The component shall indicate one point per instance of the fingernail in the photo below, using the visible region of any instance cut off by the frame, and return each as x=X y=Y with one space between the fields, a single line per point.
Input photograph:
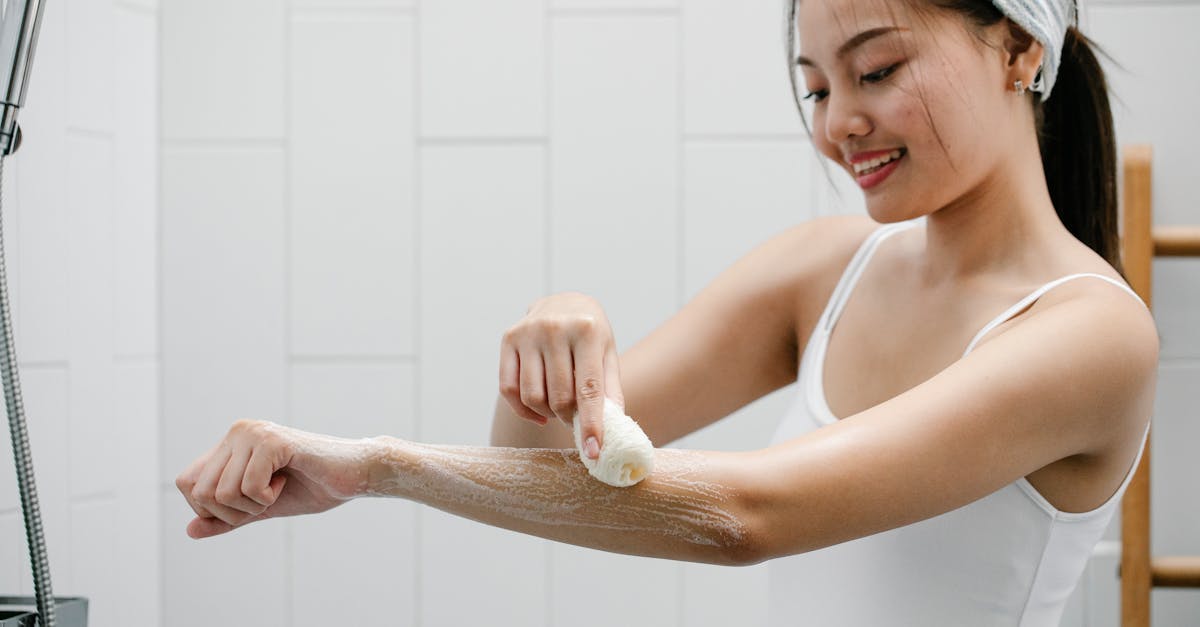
x=593 y=447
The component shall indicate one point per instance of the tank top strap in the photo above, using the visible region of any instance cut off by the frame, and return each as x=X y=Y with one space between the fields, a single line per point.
x=1136 y=460
x=1036 y=294
x=858 y=263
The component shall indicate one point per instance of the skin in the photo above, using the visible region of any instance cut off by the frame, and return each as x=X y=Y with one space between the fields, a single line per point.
x=1053 y=395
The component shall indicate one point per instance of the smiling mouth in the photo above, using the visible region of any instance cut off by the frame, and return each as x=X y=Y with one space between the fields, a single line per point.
x=867 y=167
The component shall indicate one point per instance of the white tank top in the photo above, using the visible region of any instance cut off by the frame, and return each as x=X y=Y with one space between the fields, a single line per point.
x=1009 y=558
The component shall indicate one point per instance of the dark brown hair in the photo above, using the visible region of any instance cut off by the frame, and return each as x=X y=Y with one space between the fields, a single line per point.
x=1074 y=129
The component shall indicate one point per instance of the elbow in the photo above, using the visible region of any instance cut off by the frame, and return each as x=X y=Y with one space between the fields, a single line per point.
x=761 y=532
x=751 y=543
x=746 y=551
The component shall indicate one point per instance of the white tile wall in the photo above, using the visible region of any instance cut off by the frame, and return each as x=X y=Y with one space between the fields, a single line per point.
x=91 y=98
x=735 y=73
x=136 y=540
x=223 y=303
x=135 y=186
x=483 y=262
x=614 y=6
x=90 y=324
x=355 y=565
x=93 y=557
x=10 y=552
x=223 y=69
x=246 y=572
x=580 y=578
x=737 y=195
x=351 y=180
x=473 y=574
x=480 y=79
x=359 y=196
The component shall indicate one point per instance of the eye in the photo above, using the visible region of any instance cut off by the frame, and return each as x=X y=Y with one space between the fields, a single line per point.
x=874 y=77
x=879 y=75
x=817 y=96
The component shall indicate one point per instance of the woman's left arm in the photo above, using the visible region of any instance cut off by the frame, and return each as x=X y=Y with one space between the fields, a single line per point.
x=1069 y=379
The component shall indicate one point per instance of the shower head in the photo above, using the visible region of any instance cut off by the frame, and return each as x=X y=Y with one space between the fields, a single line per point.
x=20 y=21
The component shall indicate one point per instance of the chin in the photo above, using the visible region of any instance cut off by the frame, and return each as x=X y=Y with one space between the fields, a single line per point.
x=885 y=212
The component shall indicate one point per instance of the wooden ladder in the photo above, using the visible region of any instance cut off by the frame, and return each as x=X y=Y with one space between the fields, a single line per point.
x=1140 y=243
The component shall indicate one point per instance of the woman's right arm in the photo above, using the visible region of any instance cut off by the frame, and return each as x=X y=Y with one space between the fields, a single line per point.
x=735 y=342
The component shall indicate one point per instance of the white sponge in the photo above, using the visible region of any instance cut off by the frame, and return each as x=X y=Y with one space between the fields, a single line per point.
x=626 y=457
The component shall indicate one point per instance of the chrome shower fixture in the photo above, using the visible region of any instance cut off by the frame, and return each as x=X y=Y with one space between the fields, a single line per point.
x=20 y=21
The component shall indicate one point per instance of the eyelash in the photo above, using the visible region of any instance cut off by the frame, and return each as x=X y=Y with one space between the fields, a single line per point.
x=874 y=77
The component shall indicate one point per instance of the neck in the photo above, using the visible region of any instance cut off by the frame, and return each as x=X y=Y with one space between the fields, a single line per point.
x=1000 y=225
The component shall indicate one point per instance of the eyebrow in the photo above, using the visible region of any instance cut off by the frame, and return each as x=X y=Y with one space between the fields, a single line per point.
x=855 y=42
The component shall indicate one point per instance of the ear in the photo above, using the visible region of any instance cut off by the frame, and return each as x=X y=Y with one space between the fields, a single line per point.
x=1023 y=54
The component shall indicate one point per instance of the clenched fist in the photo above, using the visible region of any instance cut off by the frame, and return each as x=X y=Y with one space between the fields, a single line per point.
x=262 y=470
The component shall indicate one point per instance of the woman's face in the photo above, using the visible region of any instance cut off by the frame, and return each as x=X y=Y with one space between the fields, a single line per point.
x=880 y=80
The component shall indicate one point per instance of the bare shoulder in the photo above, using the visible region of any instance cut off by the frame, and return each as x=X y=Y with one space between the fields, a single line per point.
x=1119 y=318
x=1099 y=324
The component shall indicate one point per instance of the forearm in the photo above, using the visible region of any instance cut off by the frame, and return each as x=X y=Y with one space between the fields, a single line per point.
x=689 y=509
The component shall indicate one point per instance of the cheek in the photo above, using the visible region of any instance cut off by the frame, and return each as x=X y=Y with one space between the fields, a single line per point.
x=830 y=151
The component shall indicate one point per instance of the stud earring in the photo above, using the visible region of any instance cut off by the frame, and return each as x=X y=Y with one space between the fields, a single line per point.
x=1019 y=87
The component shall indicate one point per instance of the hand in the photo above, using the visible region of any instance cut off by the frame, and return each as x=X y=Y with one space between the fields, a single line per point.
x=560 y=359
x=264 y=470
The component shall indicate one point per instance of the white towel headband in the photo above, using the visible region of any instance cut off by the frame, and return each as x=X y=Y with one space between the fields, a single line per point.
x=1047 y=22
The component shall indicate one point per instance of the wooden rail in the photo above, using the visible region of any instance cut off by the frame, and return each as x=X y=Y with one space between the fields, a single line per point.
x=1140 y=243
x=1177 y=241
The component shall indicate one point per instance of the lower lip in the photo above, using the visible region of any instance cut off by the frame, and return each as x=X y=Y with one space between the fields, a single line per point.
x=868 y=181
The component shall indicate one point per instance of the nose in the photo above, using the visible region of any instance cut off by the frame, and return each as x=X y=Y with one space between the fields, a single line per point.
x=844 y=118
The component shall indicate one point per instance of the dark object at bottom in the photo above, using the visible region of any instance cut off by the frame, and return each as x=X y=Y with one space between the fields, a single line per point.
x=22 y=612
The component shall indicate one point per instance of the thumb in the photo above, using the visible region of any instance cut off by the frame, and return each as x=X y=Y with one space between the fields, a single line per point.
x=276 y=487
x=207 y=527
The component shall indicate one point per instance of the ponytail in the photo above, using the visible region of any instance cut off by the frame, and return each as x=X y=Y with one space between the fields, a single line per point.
x=1078 y=146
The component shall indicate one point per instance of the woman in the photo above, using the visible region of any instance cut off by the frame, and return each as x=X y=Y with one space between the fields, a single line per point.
x=957 y=446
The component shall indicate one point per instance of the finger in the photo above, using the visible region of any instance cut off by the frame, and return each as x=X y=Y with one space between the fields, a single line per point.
x=589 y=395
x=207 y=527
x=208 y=474
x=510 y=384
x=533 y=382
x=612 y=377
x=560 y=384
x=276 y=486
x=204 y=527
x=205 y=490
x=186 y=481
x=229 y=487
x=256 y=484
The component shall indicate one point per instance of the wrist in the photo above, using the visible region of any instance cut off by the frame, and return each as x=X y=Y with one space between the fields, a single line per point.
x=385 y=455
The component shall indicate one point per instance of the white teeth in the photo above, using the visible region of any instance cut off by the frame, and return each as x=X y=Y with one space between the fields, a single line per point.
x=859 y=168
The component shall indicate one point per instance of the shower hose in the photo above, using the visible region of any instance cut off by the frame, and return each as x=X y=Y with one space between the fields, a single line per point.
x=20 y=443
